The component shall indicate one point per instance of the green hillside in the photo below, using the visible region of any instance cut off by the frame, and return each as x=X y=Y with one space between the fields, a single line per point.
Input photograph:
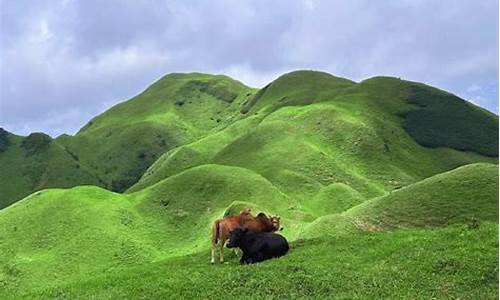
x=88 y=229
x=372 y=126
x=454 y=262
x=470 y=192
x=467 y=195
x=386 y=189
x=59 y=237
x=345 y=133
x=124 y=141
x=116 y=147
x=34 y=162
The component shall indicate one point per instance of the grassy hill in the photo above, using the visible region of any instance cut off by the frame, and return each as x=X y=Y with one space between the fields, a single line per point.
x=467 y=195
x=183 y=120
x=35 y=162
x=124 y=141
x=116 y=147
x=376 y=202
x=469 y=192
x=59 y=239
x=339 y=133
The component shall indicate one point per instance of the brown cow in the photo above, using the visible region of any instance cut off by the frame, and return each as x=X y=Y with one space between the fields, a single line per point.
x=221 y=228
x=262 y=223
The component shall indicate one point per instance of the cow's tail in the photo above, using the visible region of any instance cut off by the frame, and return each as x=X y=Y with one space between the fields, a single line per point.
x=216 y=232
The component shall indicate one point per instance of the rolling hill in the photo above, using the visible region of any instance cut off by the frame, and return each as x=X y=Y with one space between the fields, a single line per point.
x=35 y=162
x=352 y=134
x=115 y=148
x=384 y=176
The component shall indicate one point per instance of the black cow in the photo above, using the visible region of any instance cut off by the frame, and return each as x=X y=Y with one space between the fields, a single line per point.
x=257 y=247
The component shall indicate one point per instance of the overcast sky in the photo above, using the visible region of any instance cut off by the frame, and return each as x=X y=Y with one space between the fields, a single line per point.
x=63 y=62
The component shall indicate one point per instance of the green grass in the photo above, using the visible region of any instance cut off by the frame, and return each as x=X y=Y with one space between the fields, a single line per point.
x=304 y=131
x=31 y=163
x=370 y=209
x=124 y=141
x=335 y=198
x=115 y=148
x=443 y=120
x=454 y=262
x=58 y=237
x=344 y=134
x=62 y=234
x=295 y=89
x=467 y=195
x=464 y=195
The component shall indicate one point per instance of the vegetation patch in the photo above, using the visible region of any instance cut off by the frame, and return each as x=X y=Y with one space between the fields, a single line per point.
x=36 y=143
x=467 y=195
x=254 y=99
x=4 y=140
x=444 y=120
x=211 y=87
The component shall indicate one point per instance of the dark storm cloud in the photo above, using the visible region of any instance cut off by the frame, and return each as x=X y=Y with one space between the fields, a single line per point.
x=65 y=61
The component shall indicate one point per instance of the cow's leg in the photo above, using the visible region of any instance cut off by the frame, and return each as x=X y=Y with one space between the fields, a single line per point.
x=258 y=257
x=243 y=258
x=215 y=238
x=213 y=253
x=253 y=257
x=249 y=259
x=222 y=242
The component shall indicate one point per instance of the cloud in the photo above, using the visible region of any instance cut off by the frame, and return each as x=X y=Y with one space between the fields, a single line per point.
x=66 y=61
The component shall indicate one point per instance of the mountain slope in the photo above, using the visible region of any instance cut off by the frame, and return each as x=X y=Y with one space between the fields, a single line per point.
x=469 y=192
x=116 y=147
x=435 y=118
x=304 y=131
x=467 y=195
x=345 y=133
x=88 y=229
x=124 y=141
x=34 y=162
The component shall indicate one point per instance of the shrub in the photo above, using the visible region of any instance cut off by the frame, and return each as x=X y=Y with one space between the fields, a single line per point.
x=213 y=88
x=4 y=140
x=36 y=143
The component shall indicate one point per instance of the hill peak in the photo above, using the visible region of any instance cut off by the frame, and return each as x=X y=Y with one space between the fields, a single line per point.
x=193 y=76
x=299 y=87
x=309 y=75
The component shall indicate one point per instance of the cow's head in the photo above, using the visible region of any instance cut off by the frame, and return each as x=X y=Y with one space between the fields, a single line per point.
x=235 y=237
x=275 y=223
x=246 y=211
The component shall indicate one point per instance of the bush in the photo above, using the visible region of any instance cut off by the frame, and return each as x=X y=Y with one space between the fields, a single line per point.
x=36 y=143
x=213 y=88
x=4 y=140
